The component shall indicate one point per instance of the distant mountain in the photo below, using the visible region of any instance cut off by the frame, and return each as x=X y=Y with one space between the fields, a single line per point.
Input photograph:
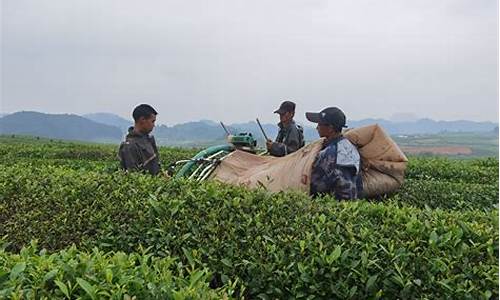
x=404 y=117
x=191 y=131
x=110 y=127
x=63 y=126
x=110 y=119
x=427 y=126
x=422 y=126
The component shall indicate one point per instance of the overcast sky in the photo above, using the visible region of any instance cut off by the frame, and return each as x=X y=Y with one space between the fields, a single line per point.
x=236 y=60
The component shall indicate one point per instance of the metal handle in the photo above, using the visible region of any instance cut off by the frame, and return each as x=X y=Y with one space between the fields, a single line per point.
x=262 y=129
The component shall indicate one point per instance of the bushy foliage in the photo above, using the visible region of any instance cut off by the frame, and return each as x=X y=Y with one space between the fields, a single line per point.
x=74 y=274
x=433 y=239
x=278 y=245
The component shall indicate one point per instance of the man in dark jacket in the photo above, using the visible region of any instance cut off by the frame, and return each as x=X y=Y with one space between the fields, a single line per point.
x=139 y=152
x=290 y=136
x=336 y=170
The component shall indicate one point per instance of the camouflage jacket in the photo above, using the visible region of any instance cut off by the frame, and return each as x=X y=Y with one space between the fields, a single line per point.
x=290 y=139
x=336 y=171
x=139 y=153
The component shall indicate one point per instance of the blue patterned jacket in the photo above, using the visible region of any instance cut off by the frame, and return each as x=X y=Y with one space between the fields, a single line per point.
x=336 y=171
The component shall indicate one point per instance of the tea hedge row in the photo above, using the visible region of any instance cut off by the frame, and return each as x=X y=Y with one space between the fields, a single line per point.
x=81 y=158
x=80 y=151
x=448 y=195
x=480 y=171
x=31 y=180
x=73 y=274
x=59 y=150
x=280 y=246
x=487 y=177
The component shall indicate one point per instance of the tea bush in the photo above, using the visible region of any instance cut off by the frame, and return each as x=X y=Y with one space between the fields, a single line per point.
x=280 y=246
x=73 y=274
x=435 y=238
x=448 y=195
x=479 y=171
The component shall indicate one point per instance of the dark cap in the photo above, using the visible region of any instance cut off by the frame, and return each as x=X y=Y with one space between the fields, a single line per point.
x=330 y=116
x=286 y=106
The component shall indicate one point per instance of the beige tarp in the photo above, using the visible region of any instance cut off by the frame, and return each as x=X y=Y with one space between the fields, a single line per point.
x=383 y=165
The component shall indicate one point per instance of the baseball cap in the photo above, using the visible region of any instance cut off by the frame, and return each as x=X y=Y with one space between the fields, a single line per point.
x=330 y=116
x=286 y=106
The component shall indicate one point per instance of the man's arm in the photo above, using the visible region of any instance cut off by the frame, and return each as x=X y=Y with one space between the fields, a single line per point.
x=289 y=145
x=323 y=175
x=278 y=149
x=292 y=141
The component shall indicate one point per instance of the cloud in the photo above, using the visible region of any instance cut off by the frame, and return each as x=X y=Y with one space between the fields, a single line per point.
x=234 y=60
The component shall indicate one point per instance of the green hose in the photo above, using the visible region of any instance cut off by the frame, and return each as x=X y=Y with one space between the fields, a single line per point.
x=202 y=154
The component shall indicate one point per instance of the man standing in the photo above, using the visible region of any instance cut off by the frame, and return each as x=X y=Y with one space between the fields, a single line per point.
x=290 y=136
x=336 y=170
x=139 y=152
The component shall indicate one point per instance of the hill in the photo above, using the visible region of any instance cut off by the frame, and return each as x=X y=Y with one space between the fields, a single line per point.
x=110 y=119
x=58 y=126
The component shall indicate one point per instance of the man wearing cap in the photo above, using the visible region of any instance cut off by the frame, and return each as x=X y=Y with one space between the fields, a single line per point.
x=290 y=136
x=336 y=170
x=139 y=152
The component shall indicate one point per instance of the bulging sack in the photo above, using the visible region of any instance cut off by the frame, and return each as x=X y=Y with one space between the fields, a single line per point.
x=382 y=161
x=291 y=172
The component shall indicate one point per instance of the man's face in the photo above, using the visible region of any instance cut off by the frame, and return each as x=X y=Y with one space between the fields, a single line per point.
x=147 y=124
x=325 y=130
x=286 y=117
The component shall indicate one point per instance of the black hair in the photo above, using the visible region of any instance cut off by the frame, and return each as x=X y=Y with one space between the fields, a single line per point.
x=143 y=110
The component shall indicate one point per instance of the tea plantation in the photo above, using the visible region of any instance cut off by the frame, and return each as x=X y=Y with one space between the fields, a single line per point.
x=73 y=226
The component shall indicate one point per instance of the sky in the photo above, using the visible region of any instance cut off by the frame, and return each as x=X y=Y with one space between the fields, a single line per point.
x=237 y=60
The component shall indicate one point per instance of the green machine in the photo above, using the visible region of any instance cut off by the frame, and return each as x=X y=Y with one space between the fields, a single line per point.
x=201 y=166
x=243 y=141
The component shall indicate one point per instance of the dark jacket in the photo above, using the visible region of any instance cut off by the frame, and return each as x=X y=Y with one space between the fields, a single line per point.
x=290 y=139
x=139 y=153
x=336 y=171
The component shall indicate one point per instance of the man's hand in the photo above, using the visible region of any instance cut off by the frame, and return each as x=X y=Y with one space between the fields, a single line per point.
x=269 y=143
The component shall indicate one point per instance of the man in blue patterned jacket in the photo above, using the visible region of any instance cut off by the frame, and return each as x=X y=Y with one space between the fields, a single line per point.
x=336 y=170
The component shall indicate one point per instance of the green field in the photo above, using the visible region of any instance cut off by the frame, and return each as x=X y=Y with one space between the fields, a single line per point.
x=482 y=144
x=72 y=225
